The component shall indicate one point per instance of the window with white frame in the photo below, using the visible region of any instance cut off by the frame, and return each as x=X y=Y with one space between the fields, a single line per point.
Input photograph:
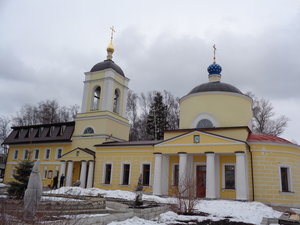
x=58 y=153
x=26 y=154
x=16 y=153
x=285 y=179
x=125 y=173
x=146 y=174
x=36 y=154
x=229 y=176
x=107 y=173
x=47 y=153
x=13 y=172
x=45 y=172
x=175 y=177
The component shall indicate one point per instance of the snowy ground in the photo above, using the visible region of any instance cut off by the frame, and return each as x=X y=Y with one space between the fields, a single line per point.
x=248 y=212
x=3 y=185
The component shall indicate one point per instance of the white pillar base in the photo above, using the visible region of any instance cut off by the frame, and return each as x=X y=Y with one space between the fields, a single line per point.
x=83 y=174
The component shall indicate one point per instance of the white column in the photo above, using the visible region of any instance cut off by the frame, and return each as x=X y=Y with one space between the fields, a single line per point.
x=165 y=174
x=85 y=98
x=182 y=170
x=108 y=92
x=90 y=175
x=70 y=174
x=241 y=176
x=157 y=185
x=125 y=96
x=83 y=174
x=62 y=170
x=210 y=175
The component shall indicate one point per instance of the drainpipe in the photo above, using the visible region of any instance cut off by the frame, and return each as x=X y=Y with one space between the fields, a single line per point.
x=252 y=177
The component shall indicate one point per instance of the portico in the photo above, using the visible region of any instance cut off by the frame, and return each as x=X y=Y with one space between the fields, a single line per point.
x=78 y=165
x=207 y=171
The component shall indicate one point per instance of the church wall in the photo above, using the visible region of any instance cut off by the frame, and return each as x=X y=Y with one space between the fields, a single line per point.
x=50 y=165
x=267 y=160
x=228 y=110
x=135 y=156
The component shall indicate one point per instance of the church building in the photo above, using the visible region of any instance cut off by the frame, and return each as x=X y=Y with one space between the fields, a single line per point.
x=214 y=149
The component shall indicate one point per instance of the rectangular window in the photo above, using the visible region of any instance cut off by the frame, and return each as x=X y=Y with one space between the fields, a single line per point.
x=16 y=153
x=58 y=153
x=229 y=177
x=26 y=154
x=50 y=174
x=126 y=172
x=107 y=178
x=36 y=154
x=146 y=174
x=45 y=172
x=284 y=173
x=175 y=175
x=47 y=153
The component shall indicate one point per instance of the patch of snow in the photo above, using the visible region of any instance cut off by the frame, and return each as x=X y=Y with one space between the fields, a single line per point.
x=296 y=210
x=49 y=198
x=3 y=185
x=136 y=221
x=3 y=196
x=248 y=212
x=84 y=216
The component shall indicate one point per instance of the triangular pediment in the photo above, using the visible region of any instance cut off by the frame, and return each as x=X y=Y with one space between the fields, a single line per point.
x=79 y=154
x=199 y=138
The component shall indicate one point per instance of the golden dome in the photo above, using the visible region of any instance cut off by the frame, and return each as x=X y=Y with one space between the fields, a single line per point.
x=110 y=48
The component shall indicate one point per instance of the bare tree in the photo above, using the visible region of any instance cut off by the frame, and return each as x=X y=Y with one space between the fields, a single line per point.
x=132 y=115
x=263 y=117
x=4 y=130
x=172 y=104
x=44 y=112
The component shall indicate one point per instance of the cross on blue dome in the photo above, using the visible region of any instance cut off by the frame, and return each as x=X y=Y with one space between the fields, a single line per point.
x=214 y=69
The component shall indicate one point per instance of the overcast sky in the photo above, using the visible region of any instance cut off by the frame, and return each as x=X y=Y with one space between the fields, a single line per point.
x=46 y=46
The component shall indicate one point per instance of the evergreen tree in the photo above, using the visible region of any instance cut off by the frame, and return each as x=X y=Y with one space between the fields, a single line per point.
x=17 y=188
x=157 y=118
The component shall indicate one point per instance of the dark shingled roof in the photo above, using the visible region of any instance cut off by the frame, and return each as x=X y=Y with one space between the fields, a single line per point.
x=215 y=86
x=56 y=132
x=106 y=64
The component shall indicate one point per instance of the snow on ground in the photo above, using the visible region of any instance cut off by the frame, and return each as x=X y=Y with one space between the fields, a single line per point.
x=127 y=195
x=136 y=221
x=48 y=198
x=248 y=212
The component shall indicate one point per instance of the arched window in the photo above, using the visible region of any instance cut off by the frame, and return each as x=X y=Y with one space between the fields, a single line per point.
x=88 y=130
x=204 y=123
x=116 y=101
x=96 y=98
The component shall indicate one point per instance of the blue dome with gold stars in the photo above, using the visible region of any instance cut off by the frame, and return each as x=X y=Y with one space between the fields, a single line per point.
x=214 y=69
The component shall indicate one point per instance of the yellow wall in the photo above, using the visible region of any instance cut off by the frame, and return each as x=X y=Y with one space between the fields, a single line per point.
x=267 y=160
x=229 y=109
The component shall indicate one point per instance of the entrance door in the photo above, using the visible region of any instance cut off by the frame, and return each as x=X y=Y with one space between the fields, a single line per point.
x=201 y=181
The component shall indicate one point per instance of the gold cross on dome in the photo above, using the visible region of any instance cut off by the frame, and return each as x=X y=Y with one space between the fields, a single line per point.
x=112 y=32
x=214 y=46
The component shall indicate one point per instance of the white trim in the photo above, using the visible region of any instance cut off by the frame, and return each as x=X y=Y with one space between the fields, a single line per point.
x=122 y=173
x=41 y=144
x=298 y=154
x=173 y=170
x=104 y=117
x=202 y=133
x=45 y=154
x=290 y=183
x=223 y=176
x=90 y=80
x=97 y=136
x=41 y=163
x=203 y=116
x=150 y=172
x=56 y=152
x=16 y=152
x=215 y=93
x=210 y=144
x=104 y=173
